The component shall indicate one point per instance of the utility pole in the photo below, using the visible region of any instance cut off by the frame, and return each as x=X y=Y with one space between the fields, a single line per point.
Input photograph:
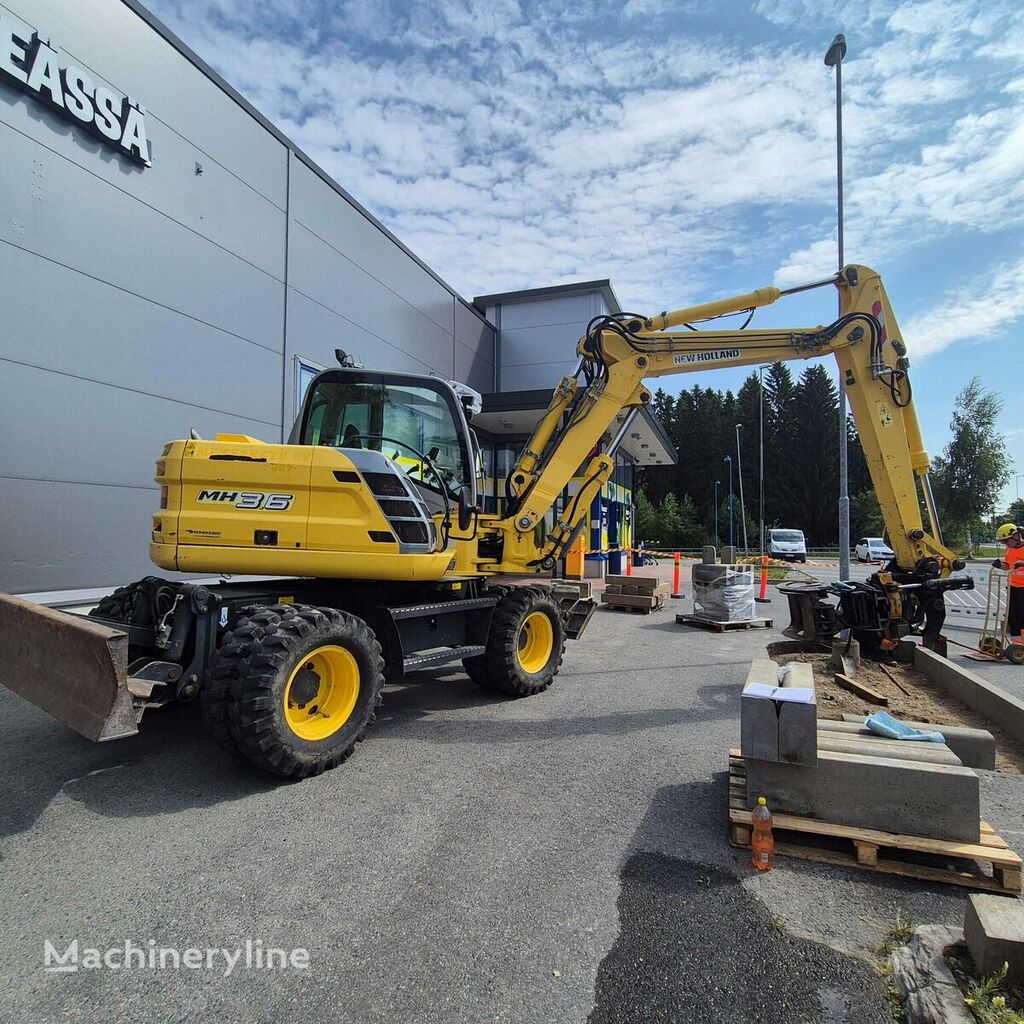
x=732 y=542
x=739 y=472
x=834 y=58
x=717 y=483
x=760 y=416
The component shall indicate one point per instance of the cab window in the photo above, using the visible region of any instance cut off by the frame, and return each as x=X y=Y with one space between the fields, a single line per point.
x=410 y=423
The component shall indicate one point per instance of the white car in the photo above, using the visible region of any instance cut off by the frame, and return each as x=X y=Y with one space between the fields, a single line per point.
x=873 y=549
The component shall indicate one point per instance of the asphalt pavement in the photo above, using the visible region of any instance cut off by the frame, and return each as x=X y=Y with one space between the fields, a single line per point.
x=555 y=859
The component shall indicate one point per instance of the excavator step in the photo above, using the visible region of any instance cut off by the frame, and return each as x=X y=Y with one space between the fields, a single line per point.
x=418 y=662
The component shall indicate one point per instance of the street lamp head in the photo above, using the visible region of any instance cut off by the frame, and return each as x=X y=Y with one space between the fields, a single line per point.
x=836 y=52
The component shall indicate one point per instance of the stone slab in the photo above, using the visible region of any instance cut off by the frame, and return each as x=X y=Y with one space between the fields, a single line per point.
x=874 y=746
x=994 y=930
x=912 y=797
x=923 y=980
x=976 y=748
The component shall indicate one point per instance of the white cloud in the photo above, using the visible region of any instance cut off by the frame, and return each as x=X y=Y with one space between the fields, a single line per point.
x=986 y=305
x=519 y=146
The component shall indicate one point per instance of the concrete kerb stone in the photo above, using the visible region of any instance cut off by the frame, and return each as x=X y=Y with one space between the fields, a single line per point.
x=875 y=746
x=978 y=694
x=955 y=681
x=913 y=797
x=976 y=748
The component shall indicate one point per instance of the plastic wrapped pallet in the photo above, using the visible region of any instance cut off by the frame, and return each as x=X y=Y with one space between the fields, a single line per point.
x=723 y=593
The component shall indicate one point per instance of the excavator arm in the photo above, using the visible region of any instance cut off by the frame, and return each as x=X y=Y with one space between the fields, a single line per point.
x=620 y=352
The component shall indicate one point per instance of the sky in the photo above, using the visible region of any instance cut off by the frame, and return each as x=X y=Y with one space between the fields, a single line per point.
x=684 y=150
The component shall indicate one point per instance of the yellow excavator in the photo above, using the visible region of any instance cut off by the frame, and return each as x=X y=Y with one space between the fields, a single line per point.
x=378 y=560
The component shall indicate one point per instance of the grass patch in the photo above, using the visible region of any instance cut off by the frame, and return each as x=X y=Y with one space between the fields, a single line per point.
x=991 y=999
x=897 y=935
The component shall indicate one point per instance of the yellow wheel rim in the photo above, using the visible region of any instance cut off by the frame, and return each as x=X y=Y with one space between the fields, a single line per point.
x=536 y=642
x=321 y=693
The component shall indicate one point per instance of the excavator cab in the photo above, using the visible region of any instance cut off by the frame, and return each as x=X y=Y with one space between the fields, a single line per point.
x=419 y=423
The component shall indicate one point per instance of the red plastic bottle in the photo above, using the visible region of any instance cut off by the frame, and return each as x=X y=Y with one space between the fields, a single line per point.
x=762 y=842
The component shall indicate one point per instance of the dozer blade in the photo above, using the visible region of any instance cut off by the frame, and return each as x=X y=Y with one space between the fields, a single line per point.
x=74 y=669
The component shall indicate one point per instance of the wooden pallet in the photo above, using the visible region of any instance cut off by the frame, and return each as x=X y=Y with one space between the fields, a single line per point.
x=933 y=860
x=724 y=627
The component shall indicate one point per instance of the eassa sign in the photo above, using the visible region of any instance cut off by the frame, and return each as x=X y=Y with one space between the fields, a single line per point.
x=29 y=61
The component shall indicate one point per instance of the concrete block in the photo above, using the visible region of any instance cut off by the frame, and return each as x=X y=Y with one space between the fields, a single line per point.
x=729 y=554
x=800 y=674
x=777 y=730
x=846 y=655
x=647 y=582
x=976 y=748
x=798 y=734
x=904 y=652
x=709 y=556
x=759 y=729
x=913 y=797
x=870 y=745
x=994 y=930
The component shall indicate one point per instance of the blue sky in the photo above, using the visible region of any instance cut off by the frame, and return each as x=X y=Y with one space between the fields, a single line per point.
x=684 y=150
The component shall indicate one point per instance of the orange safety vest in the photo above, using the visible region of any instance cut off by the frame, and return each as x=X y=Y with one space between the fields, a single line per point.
x=1015 y=560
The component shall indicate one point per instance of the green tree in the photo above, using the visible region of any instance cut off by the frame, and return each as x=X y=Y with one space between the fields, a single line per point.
x=974 y=466
x=647 y=521
x=865 y=516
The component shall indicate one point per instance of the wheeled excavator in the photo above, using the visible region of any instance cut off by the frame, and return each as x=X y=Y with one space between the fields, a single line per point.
x=375 y=559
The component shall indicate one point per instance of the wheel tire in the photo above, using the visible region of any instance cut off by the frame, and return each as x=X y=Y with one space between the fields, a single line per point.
x=267 y=718
x=476 y=668
x=1014 y=654
x=235 y=647
x=512 y=644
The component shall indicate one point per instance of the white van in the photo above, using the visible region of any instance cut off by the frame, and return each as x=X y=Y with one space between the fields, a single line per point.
x=787 y=544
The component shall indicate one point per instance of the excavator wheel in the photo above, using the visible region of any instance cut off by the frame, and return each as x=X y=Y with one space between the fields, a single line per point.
x=306 y=690
x=525 y=642
x=235 y=646
x=476 y=668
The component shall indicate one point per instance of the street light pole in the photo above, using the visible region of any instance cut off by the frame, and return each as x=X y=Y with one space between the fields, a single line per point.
x=834 y=58
x=739 y=473
x=728 y=459
x=717 y=544
x=760 y=416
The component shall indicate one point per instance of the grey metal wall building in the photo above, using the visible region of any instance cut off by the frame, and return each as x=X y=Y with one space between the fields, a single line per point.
x=137 y=302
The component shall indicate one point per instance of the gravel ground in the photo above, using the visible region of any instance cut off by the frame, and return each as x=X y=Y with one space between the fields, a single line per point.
x=477 y=860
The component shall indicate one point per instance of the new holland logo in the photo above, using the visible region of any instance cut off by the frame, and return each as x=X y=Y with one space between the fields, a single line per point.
x=29 y=61
x=250 y=500
x=711 y=356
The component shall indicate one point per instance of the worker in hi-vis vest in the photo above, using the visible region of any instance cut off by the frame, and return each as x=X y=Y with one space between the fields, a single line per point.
x=1013 y=559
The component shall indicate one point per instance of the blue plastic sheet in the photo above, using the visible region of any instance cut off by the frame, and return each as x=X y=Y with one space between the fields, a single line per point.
x=883 y=724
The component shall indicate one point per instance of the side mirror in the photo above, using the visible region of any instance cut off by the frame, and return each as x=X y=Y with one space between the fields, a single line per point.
x=466 y=509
